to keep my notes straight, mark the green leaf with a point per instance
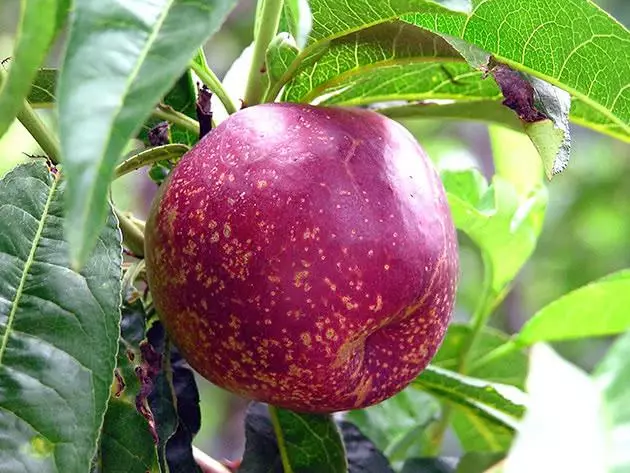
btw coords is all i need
(142, 49)
(59, 328)
(511, 369)
(312, 442)
(597, 309)
(503, 224)
(388, 61)
(486, 414)
(126, 442)
(281, 52)
(564, 404)
(533, 38)
(35, 34)
(612, 376)
(333, 19)
(42, 94)
(498, 404)
(397, 425)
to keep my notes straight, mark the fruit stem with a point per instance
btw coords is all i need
(482, 313)
(38, 130)
(150, 156)
(267, 21)
(209, 78)
(164, 112)
(132, 234)
(282, 446)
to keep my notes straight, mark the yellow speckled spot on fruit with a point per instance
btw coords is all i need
(227, 230)
(306, 339)
(299, 278)
(329, 283)
(363, 390)
(378, 305)
(349, 303)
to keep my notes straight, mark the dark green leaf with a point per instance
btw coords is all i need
(313, 442)
(362, 454)
(142, 47)
(42, 92)
(511, 369)
(126, 443)
(174, 403)
(262, 454)
(35, 34)
(261, 447)
(59, 328)
(397, 424)
(533, 38)
(430, 465)
(613, 377)
(597, 309)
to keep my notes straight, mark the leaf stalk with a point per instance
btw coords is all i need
(266, 27)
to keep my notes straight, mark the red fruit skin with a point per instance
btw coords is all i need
(305, 257)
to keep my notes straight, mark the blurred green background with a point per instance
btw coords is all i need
(586, 233)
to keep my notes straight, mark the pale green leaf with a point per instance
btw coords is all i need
(504, 226)
(142, 49)
(563, 429)
(597, 309)
(612, 376)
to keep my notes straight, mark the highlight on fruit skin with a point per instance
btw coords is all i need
(304, 256)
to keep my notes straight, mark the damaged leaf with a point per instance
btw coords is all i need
(544, 111)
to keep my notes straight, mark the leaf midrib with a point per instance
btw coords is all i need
(27, 266)
(318, 42)
(366, 68)
(134, 74)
